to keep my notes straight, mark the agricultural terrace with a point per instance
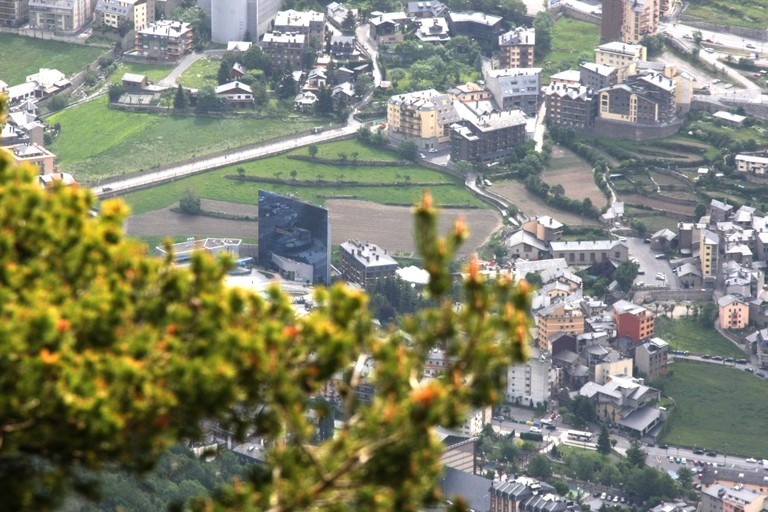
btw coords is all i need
(689, 333)
(573, 42)
(574, 175)
(123, 142)
(744, 13)
(705, 413)
(529, 204)
(153, 72)
(202, 72)
(21, 56)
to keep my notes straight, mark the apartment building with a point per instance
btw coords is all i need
(629, 20)
(597, 76)
(651, 359)
(164, 40)
(633, 321)
(483, 28)
(309, 23)
(285, 50)
(626, 403)
(516, 48)
(709, 246)
(622, 56)
(62, 16)
(487, 137)
(365, 263)
(116, 13)
(643, 99)
(571, 105)
(556, 319)
(424, 117)
(14, 13)
(530, 383)
(515, 88)
(733, 312)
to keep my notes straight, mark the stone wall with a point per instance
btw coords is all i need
(631, 131)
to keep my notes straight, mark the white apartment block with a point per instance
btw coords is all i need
(752, 164)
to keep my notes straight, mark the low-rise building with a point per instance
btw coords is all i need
(235, 92)
(14, 13)
(388, 27)
(738, 498)
(522, 244)
(483, 28)
(134, 83)
(751, 164)
(626, 403)
(545, 228)
(164, 40)
(426, 9)
(342, 47)
(365, 263)
(733, 312)
(558, 318)
(516, 48)
(432, 30)
(589, 252)
(34, 155)
(183, 251)
(530, 383)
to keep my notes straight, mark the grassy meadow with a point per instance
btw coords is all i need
(201, 73)
(122, 142)
(213, 185)
(692, 335)
(705, 412)
(153, 72)
(21, 56)
(572, 42)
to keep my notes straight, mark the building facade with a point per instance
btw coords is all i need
(285, 50)
(14, 13)
(589, 252)
(309, 23)
(530, 383)
(751, 164)
(622, 56)
(62, 16)
(651, 359)
(559, 318)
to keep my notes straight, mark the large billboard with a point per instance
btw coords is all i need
(294, 238)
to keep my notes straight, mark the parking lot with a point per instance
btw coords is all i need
(651, 268)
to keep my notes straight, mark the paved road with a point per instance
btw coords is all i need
(363, 36)
(236, 156)
(185, 63)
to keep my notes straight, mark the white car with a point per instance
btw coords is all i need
(661, 276)
(535, 430)
(751, 460)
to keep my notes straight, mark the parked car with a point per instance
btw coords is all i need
(660, 256)
(603, 496)
(751, 460)
(750, 46)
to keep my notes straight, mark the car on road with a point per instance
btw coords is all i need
(751, 460)
(709, 50)
(661, 276)
(499, 418)
(711, 454)
(717, 358)
(615, 499)
(728, 86)
(751, 46)
(660, 256)
(707, 40)
(603, 496)
(422, 155)
(698, 451)
(535, 430)
(433, 150)
(750, 370)
(687, 36)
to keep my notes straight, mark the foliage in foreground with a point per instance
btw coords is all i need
(109, 357)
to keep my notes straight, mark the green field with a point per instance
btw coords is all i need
(213, 185)
(572, 42)
(21, 56)
(744, 13)
(717, 407)
(121, 142)
(694, 336)
(154, 73)
(201, 73)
